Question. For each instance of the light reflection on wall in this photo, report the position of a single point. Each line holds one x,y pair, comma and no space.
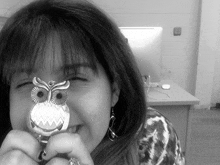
145,43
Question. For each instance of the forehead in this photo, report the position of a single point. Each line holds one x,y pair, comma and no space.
55,62
53,53
56,57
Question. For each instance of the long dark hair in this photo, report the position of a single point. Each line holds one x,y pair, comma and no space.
82,29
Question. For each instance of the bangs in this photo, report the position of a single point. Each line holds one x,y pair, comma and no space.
26,47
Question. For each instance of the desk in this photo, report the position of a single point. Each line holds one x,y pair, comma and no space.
174,104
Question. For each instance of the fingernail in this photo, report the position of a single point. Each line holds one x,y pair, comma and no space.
41,155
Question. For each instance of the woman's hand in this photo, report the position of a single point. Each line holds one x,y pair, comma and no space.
19,148
69,144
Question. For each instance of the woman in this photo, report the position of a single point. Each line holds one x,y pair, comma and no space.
71,41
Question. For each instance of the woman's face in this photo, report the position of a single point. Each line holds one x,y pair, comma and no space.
90,97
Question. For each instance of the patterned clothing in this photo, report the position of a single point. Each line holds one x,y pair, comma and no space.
160,144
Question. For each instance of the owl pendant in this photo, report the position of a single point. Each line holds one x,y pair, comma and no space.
50,112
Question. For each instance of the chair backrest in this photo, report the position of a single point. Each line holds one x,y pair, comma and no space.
159,144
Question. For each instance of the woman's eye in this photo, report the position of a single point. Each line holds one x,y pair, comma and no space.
77,78
24,84
76,82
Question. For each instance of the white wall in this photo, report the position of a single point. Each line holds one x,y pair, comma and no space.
216,80
9,6
179,53
208,72
216,76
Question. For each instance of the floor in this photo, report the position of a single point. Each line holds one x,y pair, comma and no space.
203,138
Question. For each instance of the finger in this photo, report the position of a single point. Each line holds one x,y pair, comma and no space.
57,161
71,144
16,157
20,140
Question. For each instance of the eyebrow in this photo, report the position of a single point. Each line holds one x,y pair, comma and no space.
76,66
65,68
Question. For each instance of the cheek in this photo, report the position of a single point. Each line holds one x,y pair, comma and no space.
93,110
95,115
19,110
98,113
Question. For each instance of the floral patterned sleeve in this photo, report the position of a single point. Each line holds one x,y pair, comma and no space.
159,144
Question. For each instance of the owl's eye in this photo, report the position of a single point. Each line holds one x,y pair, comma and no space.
59,97
39,95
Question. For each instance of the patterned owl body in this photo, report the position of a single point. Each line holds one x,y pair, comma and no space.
50,112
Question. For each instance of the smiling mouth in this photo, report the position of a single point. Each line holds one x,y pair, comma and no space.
74,129
43,135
